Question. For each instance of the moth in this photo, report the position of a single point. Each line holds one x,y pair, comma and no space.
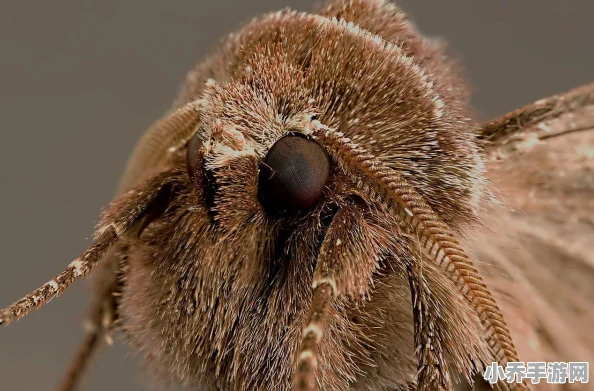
319,211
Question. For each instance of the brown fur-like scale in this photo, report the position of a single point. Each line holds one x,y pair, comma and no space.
218,294
379,94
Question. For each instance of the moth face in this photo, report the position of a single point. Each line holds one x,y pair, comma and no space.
272,184
291,175
288,171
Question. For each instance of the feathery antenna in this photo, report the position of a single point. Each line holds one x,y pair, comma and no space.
402,200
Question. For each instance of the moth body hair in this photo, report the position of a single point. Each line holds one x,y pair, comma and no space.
352,274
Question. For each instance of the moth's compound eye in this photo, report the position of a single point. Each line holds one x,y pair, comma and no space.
194,155
293,175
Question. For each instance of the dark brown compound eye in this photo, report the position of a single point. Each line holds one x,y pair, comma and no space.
293,175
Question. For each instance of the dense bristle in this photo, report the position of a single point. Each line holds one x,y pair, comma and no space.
435,237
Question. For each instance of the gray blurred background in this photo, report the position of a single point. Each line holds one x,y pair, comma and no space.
81,79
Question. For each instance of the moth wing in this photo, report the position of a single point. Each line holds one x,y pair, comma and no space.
536,248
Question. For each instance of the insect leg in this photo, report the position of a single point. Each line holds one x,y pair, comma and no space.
83,355
103,315
433,372
402,200
336,272
80,267
122,215
307,363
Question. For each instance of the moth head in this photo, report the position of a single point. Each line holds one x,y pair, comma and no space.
292,175
288,136
387,106
249,149
273,141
